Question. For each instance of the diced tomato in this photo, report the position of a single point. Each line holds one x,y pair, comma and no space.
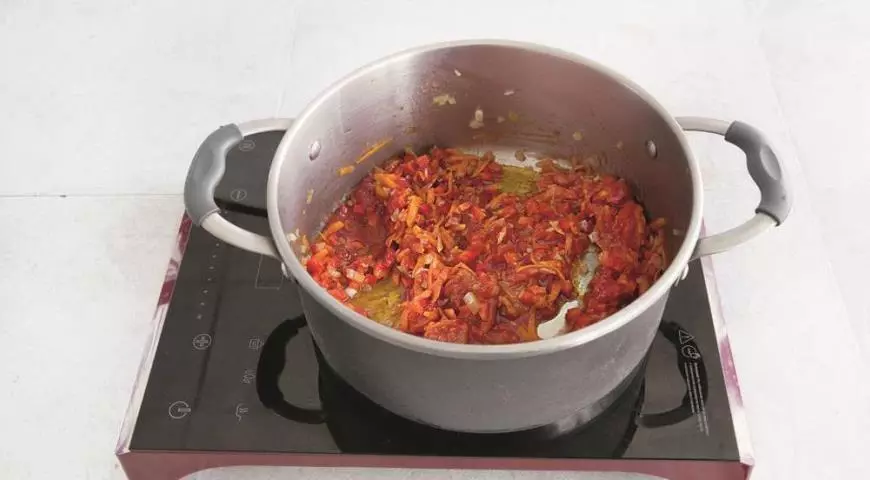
576,318
315,267
450,330
422,162
468,256
502,333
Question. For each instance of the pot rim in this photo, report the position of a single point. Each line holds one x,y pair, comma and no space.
657,291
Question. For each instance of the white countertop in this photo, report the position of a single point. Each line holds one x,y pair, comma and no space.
102,104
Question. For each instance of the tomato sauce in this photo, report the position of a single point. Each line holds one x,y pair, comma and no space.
459,248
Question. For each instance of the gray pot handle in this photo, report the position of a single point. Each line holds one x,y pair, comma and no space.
765,170
207,169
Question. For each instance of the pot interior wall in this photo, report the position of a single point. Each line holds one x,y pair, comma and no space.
539,101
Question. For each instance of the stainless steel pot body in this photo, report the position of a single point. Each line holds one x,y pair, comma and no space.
570,386
504,97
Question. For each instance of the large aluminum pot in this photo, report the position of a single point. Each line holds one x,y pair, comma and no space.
542,100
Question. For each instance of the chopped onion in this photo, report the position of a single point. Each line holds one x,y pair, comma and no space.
351,273
477,120
351,292
444,99
472,302
333,273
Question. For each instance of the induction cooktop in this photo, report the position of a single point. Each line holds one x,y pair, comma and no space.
232,377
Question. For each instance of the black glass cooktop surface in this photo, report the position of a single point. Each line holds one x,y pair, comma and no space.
235,369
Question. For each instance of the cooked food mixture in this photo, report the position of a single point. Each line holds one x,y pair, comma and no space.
459,248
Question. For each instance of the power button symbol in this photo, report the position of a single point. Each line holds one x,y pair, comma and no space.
238,194
179,410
